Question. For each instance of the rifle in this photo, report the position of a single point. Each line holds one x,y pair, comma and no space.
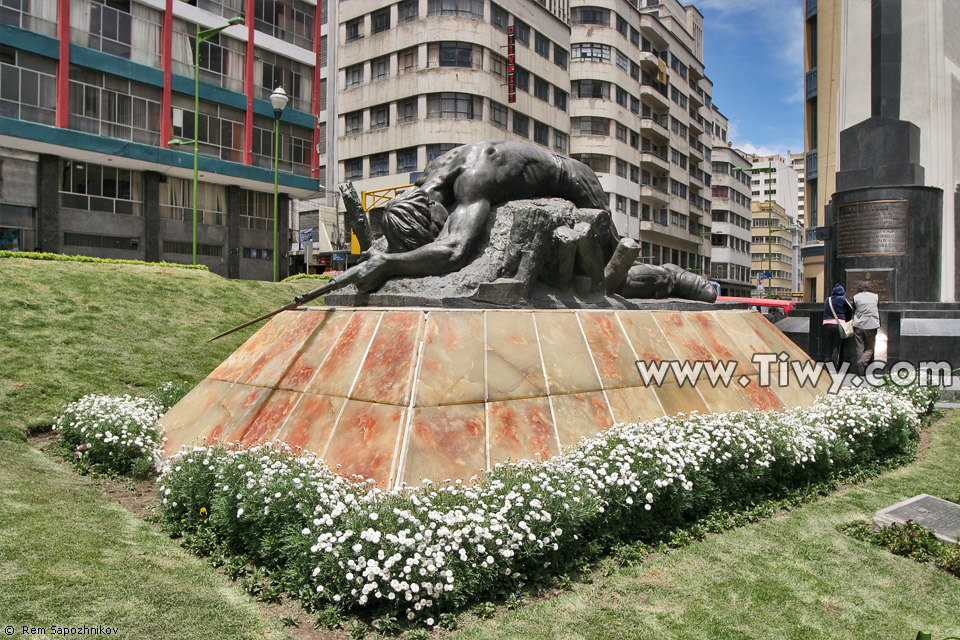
342,280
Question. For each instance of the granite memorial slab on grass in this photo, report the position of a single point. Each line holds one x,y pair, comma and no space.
940,516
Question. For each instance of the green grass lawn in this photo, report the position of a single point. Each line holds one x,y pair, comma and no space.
70,556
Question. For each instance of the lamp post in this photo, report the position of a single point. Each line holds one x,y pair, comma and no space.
279,101
202,36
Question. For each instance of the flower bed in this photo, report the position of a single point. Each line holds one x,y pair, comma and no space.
423,551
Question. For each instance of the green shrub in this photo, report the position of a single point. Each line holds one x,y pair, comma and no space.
59,257
308,276
910,540
170,393
421,552
114,435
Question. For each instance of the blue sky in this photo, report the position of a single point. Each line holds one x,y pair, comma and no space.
753,53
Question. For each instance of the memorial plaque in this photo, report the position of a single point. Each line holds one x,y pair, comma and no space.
941,516
879,280
877,227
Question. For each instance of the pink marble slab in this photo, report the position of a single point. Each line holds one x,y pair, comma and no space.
387,372
514,368
580,415
231,369
364,441
611,350
634,404
337,374
675,399
521,429
566,357
214,410
265,423
452,363
275,362
645,337
309,359
310,423
447,442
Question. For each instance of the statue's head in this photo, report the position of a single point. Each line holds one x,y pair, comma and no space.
406,221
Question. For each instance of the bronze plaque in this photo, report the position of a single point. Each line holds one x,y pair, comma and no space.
880,282
876,227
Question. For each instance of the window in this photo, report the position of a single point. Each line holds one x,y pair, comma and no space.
621,168
251,253
621,204
176,201
560,99
590,15
353,123
95,187
542,45
499,18
39,16
521,31
96,241
379,165
354,29
498,66
541,133
622,61
591,89
28,86
110,27
186,248
221,129
634,37
621,133
461,106
408,60
289,20
560,56
622,27
541,88
590,126
277,71
634,139
591,52
454,54
408,11
434,151
380,20
634,104
353,169
354,75
498,114
635,71
521,79
380,68
464,8
407,110
621,97
296,144
599,163
406,160
559,141
634,173
380,117
521,124
634,209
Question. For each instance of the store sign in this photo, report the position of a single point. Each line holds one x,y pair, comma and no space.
511,66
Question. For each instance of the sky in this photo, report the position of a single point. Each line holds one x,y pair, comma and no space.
753,54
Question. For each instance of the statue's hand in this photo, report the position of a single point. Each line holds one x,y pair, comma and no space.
372,273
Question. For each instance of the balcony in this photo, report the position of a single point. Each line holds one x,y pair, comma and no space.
654,193
654,96
653,127
648,159
812,83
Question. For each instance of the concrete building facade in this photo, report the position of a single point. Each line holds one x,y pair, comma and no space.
618,85
731,215
93,91
772,249
775,180
838,77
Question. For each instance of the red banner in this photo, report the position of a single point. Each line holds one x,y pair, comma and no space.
511,67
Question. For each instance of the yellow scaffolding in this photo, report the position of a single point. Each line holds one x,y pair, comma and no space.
377,197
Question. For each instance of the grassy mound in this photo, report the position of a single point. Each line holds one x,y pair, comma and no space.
75,328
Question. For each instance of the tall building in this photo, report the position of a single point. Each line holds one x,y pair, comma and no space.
618,85
772,249
93,93
731,214
775,180
837,59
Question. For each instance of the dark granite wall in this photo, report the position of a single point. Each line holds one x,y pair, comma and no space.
151,216
48,204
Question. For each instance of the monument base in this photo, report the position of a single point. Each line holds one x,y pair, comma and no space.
398,395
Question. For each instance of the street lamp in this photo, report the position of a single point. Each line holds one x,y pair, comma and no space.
279,101
202,36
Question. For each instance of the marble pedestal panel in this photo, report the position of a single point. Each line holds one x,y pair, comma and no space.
399,395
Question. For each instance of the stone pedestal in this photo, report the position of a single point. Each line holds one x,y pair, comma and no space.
399,395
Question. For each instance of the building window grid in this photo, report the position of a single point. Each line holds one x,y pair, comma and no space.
115,107
408,11
591,51
288,20
459,106
39,16
221,128
176,201
379,117
257,212
296,78
462,8
407,160
380,20
28,86
93,187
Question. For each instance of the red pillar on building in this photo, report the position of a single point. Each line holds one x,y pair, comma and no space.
166,64
249,87
63,66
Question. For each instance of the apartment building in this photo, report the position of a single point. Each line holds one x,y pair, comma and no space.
732,218
837,60
772,249
616,84
95,91
775,180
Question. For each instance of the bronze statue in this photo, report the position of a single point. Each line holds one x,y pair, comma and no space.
434,228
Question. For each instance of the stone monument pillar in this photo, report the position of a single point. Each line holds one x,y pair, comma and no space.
885,224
